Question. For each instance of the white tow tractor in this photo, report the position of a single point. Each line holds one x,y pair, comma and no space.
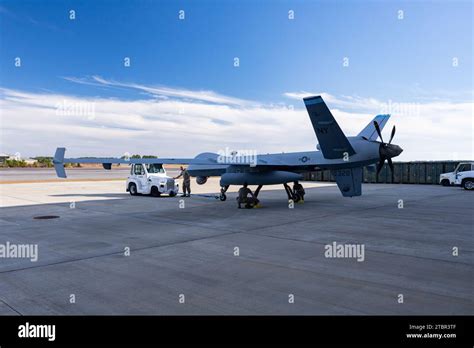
462,176
150,179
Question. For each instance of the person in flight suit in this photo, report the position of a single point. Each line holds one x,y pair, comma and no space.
186,181
298,191
244,198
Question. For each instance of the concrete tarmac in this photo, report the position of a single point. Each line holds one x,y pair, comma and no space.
189,247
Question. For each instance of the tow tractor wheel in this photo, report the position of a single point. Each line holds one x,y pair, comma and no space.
468,184
172,194
445,182
223,197
155,192
132,188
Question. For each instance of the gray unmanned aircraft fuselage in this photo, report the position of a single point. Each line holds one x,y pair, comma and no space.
344,156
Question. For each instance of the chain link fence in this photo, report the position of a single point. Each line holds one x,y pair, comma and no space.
417,172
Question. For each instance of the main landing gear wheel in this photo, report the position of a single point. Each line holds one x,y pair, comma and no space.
289,193
296,198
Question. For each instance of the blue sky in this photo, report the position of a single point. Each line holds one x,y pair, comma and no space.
407,60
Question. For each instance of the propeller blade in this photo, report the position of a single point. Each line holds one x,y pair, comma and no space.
380,166
393,133
390,164
377,128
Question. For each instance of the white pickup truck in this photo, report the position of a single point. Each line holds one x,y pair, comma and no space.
150,179
462,176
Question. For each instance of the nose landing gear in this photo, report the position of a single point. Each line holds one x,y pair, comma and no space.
223,196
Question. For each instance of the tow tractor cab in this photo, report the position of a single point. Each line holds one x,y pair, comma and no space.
462,176
150,179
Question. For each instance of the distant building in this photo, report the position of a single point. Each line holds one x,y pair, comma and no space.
3,158
30,161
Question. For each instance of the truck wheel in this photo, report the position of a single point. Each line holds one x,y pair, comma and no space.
445,182
172,194
468,184
155,192
132,188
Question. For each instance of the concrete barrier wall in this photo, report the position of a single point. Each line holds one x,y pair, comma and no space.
404,173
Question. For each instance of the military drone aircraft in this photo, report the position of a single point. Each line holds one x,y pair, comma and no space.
344,156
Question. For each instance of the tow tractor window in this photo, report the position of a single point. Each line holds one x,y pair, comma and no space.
139,169
464,167
155,168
